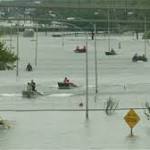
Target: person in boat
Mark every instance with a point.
(33, 85)
(84, 47)
(29, 67)
(112, 50)
(66, 80)
(29, 87)
(135, 55)
(92, 35)
(77, 48)
(143, 56)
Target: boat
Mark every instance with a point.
(143, 57)
(31, 94)
(136, 58)
(112, 52)
(56, 35)
(28, 33)
(80, 50)
(62, 85)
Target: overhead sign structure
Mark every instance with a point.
(132, 119)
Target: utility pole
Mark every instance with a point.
(17, 66)
(95, 48)
(36, 45)
(86, 72)
(11, 37)
(108, 29)
(87, 88)
(145, 28)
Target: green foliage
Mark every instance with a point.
(125, 13)
(143, 2)
(146, 35)
(6, 57)
(7, 30)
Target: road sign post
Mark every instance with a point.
(131, 133)
(131, 119)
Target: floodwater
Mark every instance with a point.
(35, 124)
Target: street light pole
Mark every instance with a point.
(62, 34)
(36, 45)
(108, 21)
(145, 33)
(95, 48)
(87, 87)
(11, 36)
(17, 66)
(86, 72)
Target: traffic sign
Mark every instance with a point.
(132, 118)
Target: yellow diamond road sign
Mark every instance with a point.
(132, 118)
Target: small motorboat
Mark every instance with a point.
(62, 85)
(81, 104)
(112, 52)
(57, 35)
(80, 50)
(28, 33)
(136, 58)
(31, 94)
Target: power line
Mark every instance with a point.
(73, 110)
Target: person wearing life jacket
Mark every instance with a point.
(33, 85)
(77, 48)
(66, 80)
(29, 87)
(84, 47)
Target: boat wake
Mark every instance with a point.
(10, 94)
(61, 95)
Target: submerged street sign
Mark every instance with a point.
(132, 118)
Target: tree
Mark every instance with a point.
(7, 58)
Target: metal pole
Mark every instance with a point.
(17, 67)
(11, 37)
(62, 34)
(108, 21)
(87, 89)
(36, 45)
(131, 131)
(86, 74)
(145, 39)
(62, 38)
(95, 47)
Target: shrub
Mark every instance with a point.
(7, 58)
(146, 35)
